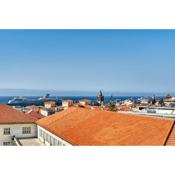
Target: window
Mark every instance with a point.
(44, 135)
(41, 133)
(6, 144)
(6, 131)
(54, 142)
(59, 143)
(51, 141)
(26, 130)
(47, 137)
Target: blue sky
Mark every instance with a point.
(88, 60)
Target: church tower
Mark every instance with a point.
(100, 98)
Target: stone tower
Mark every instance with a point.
(100, 98)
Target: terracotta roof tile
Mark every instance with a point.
(35, 115)
(86, 127)
(10, 115)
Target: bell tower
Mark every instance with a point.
(100, 98)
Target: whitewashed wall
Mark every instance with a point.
(44, 112)
(161, 111)
(53, 140)
(16, 130)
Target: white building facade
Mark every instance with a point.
(50, 139)
(9, 131)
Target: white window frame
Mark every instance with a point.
(6, 143)
(41, 133)
(59, 143)
(26, 130)
(6, 131)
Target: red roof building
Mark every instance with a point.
(15, 124)
(85, 127)
(8, 115)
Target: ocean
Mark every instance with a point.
(5, 99)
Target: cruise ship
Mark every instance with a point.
(21, 101)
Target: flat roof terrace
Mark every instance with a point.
(30, 142)
(149, 114)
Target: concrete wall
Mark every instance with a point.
(160, 111)
(44, 112)
(16, 130)
(50, 139)
(67, 103)
(50, 105)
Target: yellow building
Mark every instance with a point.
(50, 104)
(67, 103)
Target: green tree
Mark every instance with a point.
(112, 104)
(161, 102)
(154, 100)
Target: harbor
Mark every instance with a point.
(47, 105)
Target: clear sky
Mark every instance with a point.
(88, 60)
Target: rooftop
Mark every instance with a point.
(13, 116)
(30, 142)
(87, 127)
(35, 115)
(67, 101)
(84, 100)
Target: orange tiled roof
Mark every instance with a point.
(84, 100)
(35, 115)
(50, 102)
(124, 108)
(10, 115)
(86, 127)
(67, 101)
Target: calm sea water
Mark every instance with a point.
(4, 100)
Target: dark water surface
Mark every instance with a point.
(4, 100)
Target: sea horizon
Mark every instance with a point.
(74, 93)
(5, 99)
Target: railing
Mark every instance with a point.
(16, 141)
